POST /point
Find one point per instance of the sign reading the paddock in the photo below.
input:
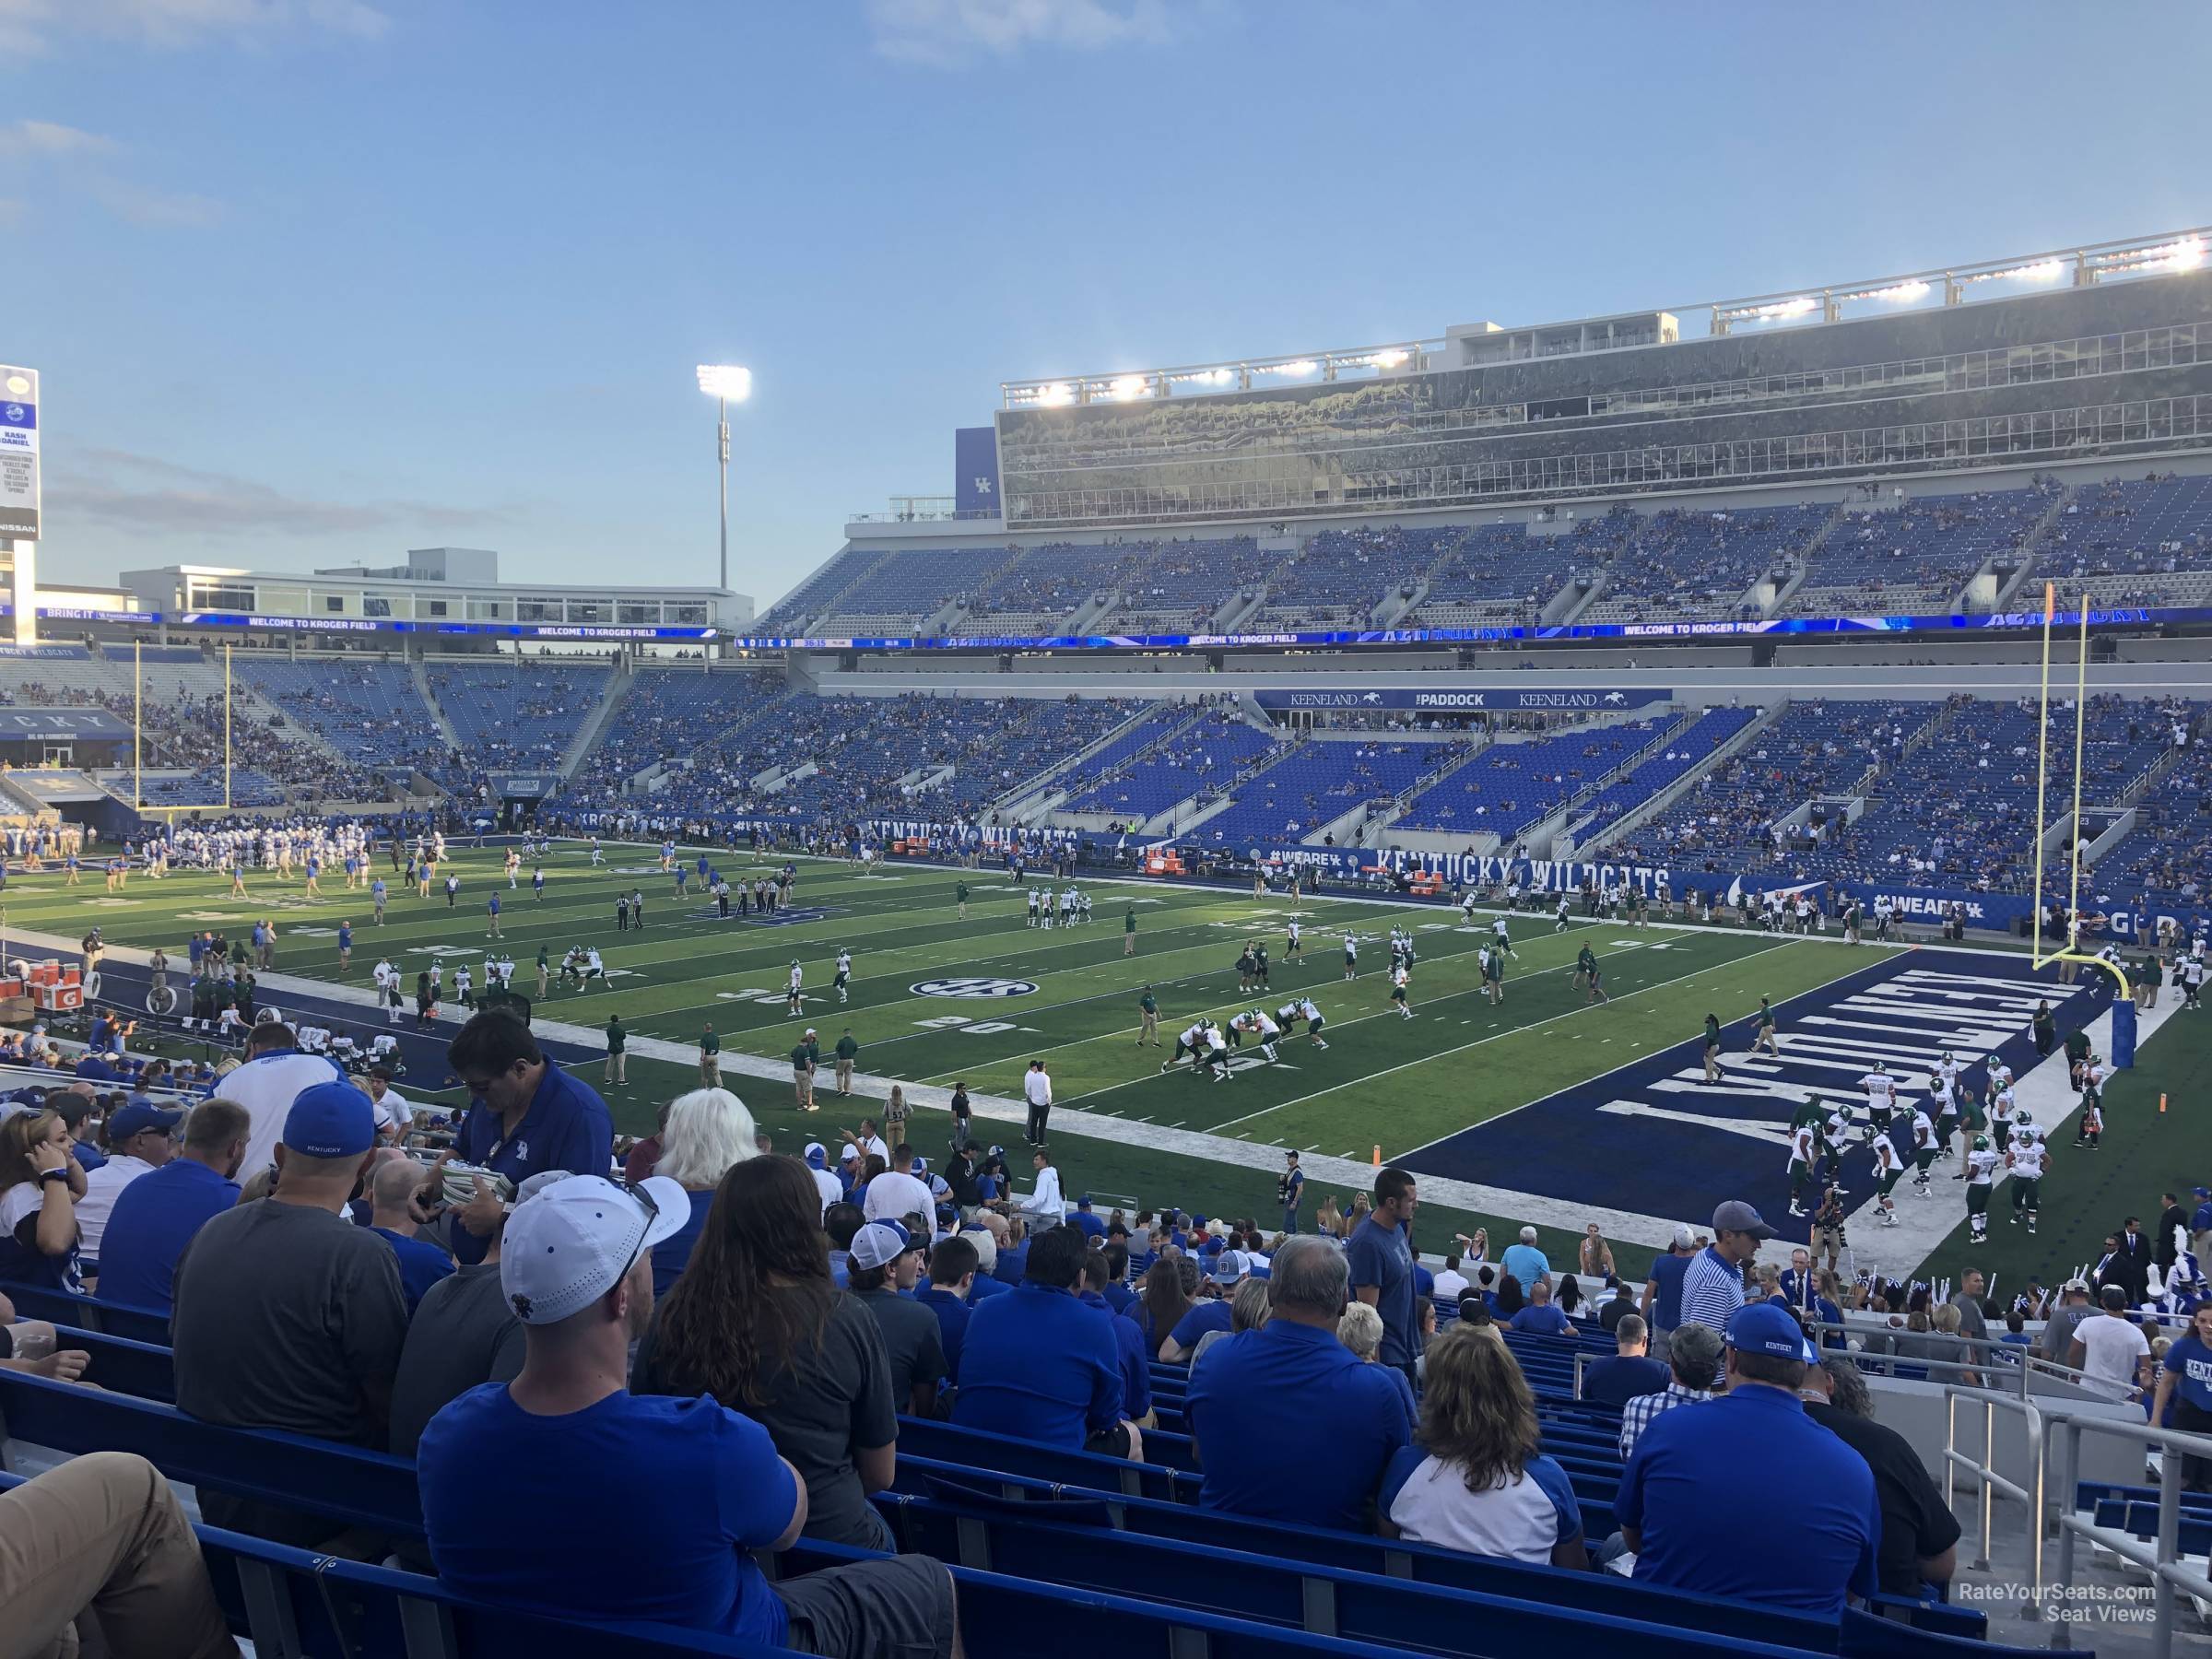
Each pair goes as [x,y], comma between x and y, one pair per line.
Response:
[18,452]
[972,987]
[1484,700]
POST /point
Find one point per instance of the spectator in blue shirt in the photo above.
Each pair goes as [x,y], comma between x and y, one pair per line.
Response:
[76,1110]
[1289,1424]
[1525,1262]
[2186,1387]
[1085,1220]
[1012,1266]
[525,1115]
[1212,1311]
[1474,1479]
[987,1282]
[700,1487]
[1117,1293]
[1620,1377]
[421,1264]
[1382,1267]
[1039,1366]
[1662,1305]
[951,1274]
[1697,1478]
[1136,1365]
[1542,1315]
[155,1216]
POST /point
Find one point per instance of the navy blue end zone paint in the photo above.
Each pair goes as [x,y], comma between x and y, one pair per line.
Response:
[1566,1146]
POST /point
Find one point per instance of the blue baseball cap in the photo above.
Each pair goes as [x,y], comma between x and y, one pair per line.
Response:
[1763,1328]
[138,1117]
[331,1120]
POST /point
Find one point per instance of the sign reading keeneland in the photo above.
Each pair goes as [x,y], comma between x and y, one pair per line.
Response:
[972,987]
[1424,700]
[18,453]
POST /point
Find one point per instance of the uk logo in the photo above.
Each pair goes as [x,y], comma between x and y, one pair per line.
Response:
[982,485]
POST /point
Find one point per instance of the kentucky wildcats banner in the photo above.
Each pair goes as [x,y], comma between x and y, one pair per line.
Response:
[1489,700]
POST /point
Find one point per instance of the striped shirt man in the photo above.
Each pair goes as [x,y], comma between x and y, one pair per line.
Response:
[1712,1289]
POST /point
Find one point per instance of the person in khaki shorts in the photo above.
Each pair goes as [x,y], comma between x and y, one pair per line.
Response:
[104,1534]
[618,1050]
[802,1074]
[710,1058]
[847,1052]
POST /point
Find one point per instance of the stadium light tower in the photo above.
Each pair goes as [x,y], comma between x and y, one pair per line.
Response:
[727,384]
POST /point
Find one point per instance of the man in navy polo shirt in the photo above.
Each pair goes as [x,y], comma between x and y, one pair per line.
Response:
[1381,1263]
[1290,1424]
[525,1115]
[1039,1365]
[1698,1479]
[155,1216]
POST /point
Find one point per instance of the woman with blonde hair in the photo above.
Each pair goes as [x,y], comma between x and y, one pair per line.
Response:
[1361,1329]
[40,1185]
[1594,1256]
[705,1135]
[1328,1220]
[1474,1479]
[895,1113]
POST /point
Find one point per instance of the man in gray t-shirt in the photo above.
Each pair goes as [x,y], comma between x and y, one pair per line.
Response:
[463,1334]
[288,1316]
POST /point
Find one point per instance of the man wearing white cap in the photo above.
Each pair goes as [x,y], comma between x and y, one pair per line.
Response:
[700,1487]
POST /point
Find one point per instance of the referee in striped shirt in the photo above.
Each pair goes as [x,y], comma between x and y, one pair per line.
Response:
[1712,1287]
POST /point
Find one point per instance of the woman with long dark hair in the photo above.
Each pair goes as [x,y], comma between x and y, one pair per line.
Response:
[756,1322]
[1163,1295]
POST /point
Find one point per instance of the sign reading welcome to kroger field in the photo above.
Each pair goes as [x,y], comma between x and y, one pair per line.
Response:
[1446,700]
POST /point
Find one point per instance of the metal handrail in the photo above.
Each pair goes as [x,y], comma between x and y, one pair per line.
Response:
[2161,1560]
[2014,1361]
[1989,1483]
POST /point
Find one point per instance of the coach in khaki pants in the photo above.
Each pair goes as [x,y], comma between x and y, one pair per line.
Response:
[618,1050]
[709,1059]
[103,1533]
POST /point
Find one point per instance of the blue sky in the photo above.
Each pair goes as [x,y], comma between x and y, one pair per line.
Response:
[317,280]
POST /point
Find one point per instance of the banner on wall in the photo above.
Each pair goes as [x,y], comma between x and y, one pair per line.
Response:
[1441,700]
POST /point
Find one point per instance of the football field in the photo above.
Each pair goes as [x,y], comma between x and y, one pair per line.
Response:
[1540,1107]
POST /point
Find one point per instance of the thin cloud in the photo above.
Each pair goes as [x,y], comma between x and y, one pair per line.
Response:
[944,34]
[33,25]
[126,490]
[155,209]
[50,140]
[81,163]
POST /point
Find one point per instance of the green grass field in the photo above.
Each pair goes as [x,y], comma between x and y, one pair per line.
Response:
[1384,1082]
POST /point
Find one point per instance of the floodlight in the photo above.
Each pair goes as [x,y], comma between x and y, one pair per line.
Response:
[725,381]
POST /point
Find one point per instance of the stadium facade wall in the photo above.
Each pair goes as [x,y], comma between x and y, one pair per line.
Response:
[1528,430]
